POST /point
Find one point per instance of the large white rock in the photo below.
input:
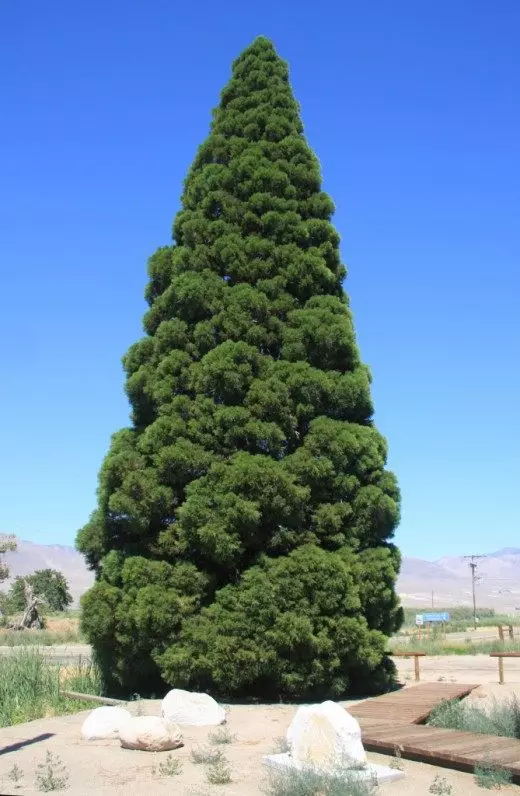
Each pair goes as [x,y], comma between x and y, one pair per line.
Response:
[104,722]
[149,734]
[188,707]
[328,739]
[325,735]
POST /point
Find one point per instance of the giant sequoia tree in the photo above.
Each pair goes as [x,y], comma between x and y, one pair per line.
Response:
[241,540]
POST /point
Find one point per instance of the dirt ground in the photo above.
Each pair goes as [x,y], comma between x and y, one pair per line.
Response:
[102,767]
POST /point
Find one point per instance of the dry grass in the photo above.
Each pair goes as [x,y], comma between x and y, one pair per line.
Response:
[58,630]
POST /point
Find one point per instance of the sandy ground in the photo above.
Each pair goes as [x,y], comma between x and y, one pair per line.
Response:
[460,669]
[102,767]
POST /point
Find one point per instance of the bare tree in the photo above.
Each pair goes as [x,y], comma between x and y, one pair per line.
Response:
[31,619]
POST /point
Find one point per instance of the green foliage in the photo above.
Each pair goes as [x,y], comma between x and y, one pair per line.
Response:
[500,717]
[51,774]
[242,538]
[49,584]
[490,775]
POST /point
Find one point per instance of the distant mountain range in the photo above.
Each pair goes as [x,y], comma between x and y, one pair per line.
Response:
[448,578]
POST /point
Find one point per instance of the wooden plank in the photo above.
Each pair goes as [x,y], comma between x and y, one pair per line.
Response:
[407,654]
[504,654]
[444,747]
[91,698]
[413,704]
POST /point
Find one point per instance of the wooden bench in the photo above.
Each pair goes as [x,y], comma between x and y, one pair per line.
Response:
[501,656]
[410,654]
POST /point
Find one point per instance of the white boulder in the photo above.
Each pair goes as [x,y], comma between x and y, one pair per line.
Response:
[188,707]
[324,736]
[149,734]
[104,722]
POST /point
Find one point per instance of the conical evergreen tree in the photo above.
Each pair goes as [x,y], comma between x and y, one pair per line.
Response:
[241,540]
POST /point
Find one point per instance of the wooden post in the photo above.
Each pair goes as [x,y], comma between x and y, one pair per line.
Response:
[500,670]
[501,632]
[416,666]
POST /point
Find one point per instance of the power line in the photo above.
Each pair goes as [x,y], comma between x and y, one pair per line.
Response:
[472,560]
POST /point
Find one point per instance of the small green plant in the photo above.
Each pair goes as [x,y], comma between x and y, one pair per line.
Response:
[220,736]
[137,705]
[219,771]
[203,755]
[170,767]
[15,774]
[51,774]
[281,745]
[489,775]
[440,787]
[395,762]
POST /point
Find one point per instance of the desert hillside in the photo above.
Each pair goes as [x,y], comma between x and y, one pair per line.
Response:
[448,578]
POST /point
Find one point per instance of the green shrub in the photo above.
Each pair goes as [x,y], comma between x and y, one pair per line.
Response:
[220,736]
[170,767]
[440,787]
[204,755]
[310,782]
[218,771]
[501,718]
[280,745]
[491,775]
[51,774]
[15,775]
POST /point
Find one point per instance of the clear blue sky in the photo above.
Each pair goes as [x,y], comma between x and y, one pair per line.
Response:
[413,109]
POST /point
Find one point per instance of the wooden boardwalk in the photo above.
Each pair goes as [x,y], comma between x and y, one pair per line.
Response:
[394,720]
[410,705]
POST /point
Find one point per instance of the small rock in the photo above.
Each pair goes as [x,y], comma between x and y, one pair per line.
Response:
[325,735]
[191,708]
[150,734]
[104,722]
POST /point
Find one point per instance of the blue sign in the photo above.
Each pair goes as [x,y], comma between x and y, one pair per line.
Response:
[440,617]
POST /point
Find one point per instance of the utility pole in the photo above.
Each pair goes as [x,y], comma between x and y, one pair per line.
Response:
[432,600]
[472,560]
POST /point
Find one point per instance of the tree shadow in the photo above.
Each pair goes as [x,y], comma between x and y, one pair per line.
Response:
[15,747]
